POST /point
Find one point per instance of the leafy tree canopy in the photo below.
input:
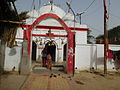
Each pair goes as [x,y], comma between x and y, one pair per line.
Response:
[90,38]
[113,33]
[8,13]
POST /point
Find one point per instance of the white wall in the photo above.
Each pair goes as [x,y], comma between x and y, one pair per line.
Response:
[19,33]
[81,37]
[85,56]
[12,58]
[88,55]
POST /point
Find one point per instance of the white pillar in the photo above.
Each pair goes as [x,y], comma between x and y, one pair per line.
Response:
[60,52]
[37,52]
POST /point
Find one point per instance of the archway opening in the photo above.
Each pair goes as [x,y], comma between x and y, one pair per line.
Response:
[34,51]
[51,49]
[65,52]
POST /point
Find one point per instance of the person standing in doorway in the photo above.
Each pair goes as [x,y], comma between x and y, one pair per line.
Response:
[44,58]
[49,61]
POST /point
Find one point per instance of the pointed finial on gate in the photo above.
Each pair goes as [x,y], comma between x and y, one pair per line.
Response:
[51,3]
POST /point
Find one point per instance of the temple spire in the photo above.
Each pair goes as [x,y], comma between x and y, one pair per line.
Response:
[51,2]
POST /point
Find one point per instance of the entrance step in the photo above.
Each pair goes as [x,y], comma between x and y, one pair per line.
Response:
[54,67]
[43,70]
[57,68]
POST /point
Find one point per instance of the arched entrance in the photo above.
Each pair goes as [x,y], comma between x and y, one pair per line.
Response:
[64,52]
[34,51]
[70,36]
[51,49]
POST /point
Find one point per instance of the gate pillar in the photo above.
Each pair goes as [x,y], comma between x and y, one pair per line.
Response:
[70,58]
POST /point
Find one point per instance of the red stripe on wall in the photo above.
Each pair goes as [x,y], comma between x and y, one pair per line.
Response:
[55,27]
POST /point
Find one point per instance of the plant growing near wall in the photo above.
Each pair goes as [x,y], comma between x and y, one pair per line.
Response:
[9,22]
[90,38]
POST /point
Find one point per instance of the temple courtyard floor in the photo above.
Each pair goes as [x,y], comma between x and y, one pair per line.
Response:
[53,80]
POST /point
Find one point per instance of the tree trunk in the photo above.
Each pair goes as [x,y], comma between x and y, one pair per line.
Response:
[2,56]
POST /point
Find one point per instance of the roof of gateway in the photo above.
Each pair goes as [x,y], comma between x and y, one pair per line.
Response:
[67,17]
[47,9]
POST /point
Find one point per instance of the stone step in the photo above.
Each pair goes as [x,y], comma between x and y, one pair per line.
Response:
[61,68]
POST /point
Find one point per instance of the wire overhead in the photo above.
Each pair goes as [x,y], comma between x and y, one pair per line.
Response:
[33,5]
[89,5]
[39,4]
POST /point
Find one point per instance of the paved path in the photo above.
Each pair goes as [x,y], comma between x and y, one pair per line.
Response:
[44,79]
[45,82]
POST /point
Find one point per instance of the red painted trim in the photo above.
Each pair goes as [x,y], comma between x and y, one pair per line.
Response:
[24,35]
[40,48]
[50,15]
[59,48]
[70,38]
[43,35]
[55,27]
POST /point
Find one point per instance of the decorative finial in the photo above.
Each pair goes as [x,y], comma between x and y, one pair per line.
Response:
[51,2]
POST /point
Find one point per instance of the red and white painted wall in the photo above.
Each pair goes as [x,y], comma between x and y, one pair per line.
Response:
[86,55]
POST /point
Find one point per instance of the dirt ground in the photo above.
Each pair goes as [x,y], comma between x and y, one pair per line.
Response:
[97,81]
[11,81]
[81,81]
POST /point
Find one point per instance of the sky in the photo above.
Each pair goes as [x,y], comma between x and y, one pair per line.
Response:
[93,16]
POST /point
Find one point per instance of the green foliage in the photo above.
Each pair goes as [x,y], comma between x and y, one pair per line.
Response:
[90,38]
[23,16]
[114,34]
[8,13]
[101,37]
